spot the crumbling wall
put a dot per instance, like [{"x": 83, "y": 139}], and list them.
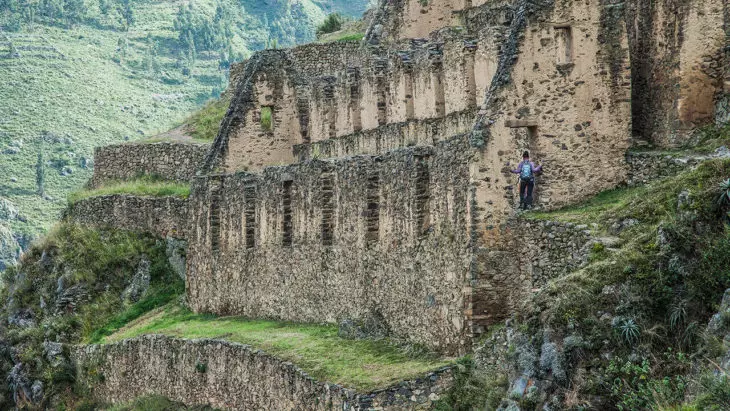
[
  {"x": 321, "y": 92},
  {"x": 389, "y": 137},
  {"x": 163, "y": 216},
  {"x": 564, "y": 95},
  {"x": 323, "y": 241},
  {"x": 524, "y": 258},
  {"x": 678, "y": 64},
  {"x": 175, "y": 161},
  {"x": 229, "y": 376}
]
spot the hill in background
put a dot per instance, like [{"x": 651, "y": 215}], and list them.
[{"x": 76, "y": 74}]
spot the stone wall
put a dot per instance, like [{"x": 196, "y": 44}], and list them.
[
  {"x": 645, "y": 167},
  {"x": 230, "y": 376},
  {"x": 679, "y": 61},
  {"x": 525, "y": 257},
  {"x": 389, "y": 137},
  {"x": 323, "y": 241},
  {"x": 330, "y": 91},
  {"x": 163, "y": 216},
  {"x": 175, "y": 161}
]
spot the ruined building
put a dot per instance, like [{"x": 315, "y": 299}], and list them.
[{"x": 370, "y": 180}]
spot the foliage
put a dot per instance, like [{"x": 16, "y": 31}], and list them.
[
  {"x": 94, "y": 266},
  {"x": 714, "y": 392},
  {"x": 361, "y": 364},
  {"x": 144, "y": 186},
  {"x": 266, "y": 118},
  {"x": 204, "y": 123},
  {"x": 473, "y": 389},
  {"x": 120, "y": 74},
  {"x": 650, "y": 296},
  {"x": 332, "y": 23},
  {"x": 633, "y": 387}
]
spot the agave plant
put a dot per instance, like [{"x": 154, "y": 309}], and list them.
[
  {"x": 724, "y": 198},
  {"x": 630, "y": 331}
]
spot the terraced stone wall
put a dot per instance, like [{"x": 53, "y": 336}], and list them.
[
  {"x": 525, "y": 257},
  {"x": 162, "y": 216},
  {"x": 175, "y": 161},
  {"x": 230, "y": 376},
  {"x": 367, "y": 237}
]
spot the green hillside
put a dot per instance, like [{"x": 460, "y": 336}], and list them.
[{"x": 74, "y": 75}]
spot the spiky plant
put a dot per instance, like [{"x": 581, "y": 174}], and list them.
[{"x": 630, "y": 331}]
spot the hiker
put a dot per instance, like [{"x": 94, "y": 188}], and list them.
[{"x": 526, "y": 169}]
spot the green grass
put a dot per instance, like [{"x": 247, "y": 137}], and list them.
[
  {"x": 350, "y": 37},
  {"x": 157, "y": 297},
  {"x": 649, "y": 204},
  {"x": 204, "y": 124},
  {"x": 360, "y": 364},
  {"x": 88, "y": 95},
  {"x": 140, "y": 187},
  {"x": 266, "y": 120}
]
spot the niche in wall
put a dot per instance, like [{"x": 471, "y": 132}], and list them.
[
  {"x": 266, "y": 118},
  {"x": 286, "y": 220},
  {"x": 249, "y": 213},
  {"x": 564, "y": 43}
]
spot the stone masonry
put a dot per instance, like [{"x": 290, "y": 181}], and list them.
[
  {"x": 230, "y": 376},
  {"x": 372, "y": 179},
  {"x": 174, "y": 161},
  {"x": 163, "y": 216}
]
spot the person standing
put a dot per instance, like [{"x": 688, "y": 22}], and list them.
[{"x": 526, "y": 169}]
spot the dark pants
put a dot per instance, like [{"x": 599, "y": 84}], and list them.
[{"x": 526, "y": 193}]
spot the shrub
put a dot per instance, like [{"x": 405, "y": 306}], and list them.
[
  {"x": 331, "y": 23},
  {"x": 267, "y": 122}
]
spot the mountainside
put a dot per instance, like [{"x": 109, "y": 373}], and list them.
[{"x": 76, "y": 75}]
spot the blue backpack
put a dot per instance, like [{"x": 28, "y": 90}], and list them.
[{"x": 526, "y": 171}]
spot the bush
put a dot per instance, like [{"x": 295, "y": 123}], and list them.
[{"x": 331, "y": 23}]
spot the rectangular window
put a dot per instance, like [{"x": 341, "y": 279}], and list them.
[
  {"x": 438, "y": 83},
  {"x": 372, "y": 210},
  {"x": 353, "y": 79},
  {"x": 286, "y": 221},
  {"x": 326, "y": 200},
  {"x": 249, "y": 213},
  {"x": 422, "y": 187},
  {"x": 564, "y": 36},
  {"x": 267, "y": 118},
  {"x": 215, "y": 216}
]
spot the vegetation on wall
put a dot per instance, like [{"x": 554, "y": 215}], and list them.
[
  {"x": 630, "y": 329},
  {"x": 357, "y": 363},
  {"x": 79, "y": 74},
  {"x": 70, "y": 287},
  {"x": 143, "y": 186}
]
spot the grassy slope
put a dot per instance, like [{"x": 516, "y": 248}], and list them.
[
  {"x": 142, "y": 187},
  {"x": 361, "y": 364},
  {"x": 88, "y": 100}
]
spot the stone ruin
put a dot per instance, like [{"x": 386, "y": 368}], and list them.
[{"x": 359, "y": 180}]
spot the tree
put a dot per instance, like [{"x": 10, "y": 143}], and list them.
[
  {"x": 332, "y": 23},
  {"x": 74, "y": 11},
  {"x": 40, "y": 175},
  {"x": 127, "y": 13}
]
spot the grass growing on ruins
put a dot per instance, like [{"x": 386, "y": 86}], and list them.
[
  {"x": 139, "y": 187},
  {"x": 649, "y": 204},
  {"x": 204, "y": 123},
  {"x": 653, "y": 295},
  {"x": 316, "y": 349}
]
